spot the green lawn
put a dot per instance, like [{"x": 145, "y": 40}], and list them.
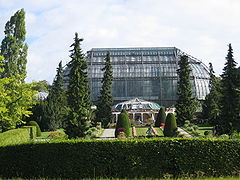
[
  {"x": 58, "y": 134},
  {"x": 141, "y": 131},
  {"x": 201, "y": 130}
]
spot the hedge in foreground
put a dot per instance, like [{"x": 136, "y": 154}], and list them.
[
  {"x": 121, "y": 158},
  {"x": 15, "y": 136}
]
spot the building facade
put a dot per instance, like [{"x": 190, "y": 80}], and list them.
[{"x": 145, "y": 73}]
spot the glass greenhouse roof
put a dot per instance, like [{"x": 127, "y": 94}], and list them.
[
  {"x": 136, "y": 104},
  {"x": 148, "y": 73}
]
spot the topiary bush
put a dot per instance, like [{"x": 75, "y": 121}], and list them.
[
  {"x": 34, "y": 123},
  {"x": 161, "y": 117},
  {"x": 170, "y": 128},
  {"x": 123, "y": 124}
]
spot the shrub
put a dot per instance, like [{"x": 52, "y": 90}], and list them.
[
  {"x": 170, "y": 127},
  {"x": 123, "y": 124},
  {"x": 152, "y": 158},
  {"x": 34, "y": 123},
  {"x": 161, "y": 117}
]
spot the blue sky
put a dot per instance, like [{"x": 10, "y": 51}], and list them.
[{"x": 201, "y": 28}]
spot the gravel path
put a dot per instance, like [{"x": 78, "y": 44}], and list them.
[{"x": 108, "y": 133}]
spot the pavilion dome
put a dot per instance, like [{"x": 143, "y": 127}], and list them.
[{"x": 136, "y": 104}]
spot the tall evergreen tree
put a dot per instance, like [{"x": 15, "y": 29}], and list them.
[
  {"x": 229, "y": 116},
  {"x": 56, "y": 102},
  {"x": 78, "y": 93},
  {"x": 104, "y": 107},
  {"x": 13, "y": 48},
  {"x": 211, "y": 105},
  {"x": 186, "y": 104}
]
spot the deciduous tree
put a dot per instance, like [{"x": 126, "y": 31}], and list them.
[{"x": 13, "y": 47}]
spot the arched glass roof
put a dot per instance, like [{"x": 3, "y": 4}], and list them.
[{"x": 136, "y": 104}]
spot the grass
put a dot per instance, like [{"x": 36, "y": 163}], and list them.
[
  {"x": 141, "y": 131},
  {"x": 201, "y": 130},
  {"x": 51, "y": 135}
]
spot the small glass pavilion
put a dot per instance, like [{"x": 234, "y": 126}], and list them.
[{"x": 139, "y": 110}]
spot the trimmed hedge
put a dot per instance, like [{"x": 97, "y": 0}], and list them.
[
  {"x": 16, "y": 136},
  {"x": 34, "y": 123},
  {"x": 155, "y": 158}
]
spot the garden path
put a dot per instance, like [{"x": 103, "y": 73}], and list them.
[
  {"x": 108, "y": 133},
  {"x": 186, "y": 134}
]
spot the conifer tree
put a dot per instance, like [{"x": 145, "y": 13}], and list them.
[
  {"x": 211, "y": 105},
  {"x": 104, "y": 107},
  {"x": 56, "y": 102},
  {"x": 186, "y": 104},
  {"x": 78, "y": 93},
  {"x": 13, "y": 48},
  {"x": 229, "y": 116},
  {"x": 161, "y": 117}
]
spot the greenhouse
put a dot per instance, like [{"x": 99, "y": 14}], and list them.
[
  {"x": 138, "y": 110},
  {"x": 145, "y": 73}
]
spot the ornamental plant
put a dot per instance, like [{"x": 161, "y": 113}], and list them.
[
  {"x": 170, "y": 128},
  {"x": 161, "y": 117},
  {"x": 34, "y": 123},
  {"x": 123, "y": 124}
]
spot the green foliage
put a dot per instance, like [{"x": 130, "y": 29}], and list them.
[
  {"x": 13, "y": 47},
  {"x": 16, "y": 100},
  {"x": 186, "y": 105},
  {"x": 191, "y": 128},
  {"x": 229, "y": 119},
  {"x": 170, "y": 127},
  {"x": 16, "y": 96},
  {"x": 161, "y": 117},
  {"x": 104, "y": 107},
  {"x": 34, "y": 123},
  {"x": 211, "y": 105},
  {"x": 41, "y": 86},
  {"x": 16, "y": 136},
  {"x": 155, "y": 158},
  {"x": 123, "y": 124},
  {"x": 78, "y": 93},
  {"x": 55, "y": 112},
  {"x": 39, "y": 115}
]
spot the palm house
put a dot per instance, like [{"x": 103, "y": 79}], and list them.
[{"x": 148, "y": 73}]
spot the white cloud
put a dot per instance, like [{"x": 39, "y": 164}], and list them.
[{"x": 200, "y": 28}]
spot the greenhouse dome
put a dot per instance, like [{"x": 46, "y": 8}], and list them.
[
  {"x": 136, "y": 105},
  {"x": 138, "y": 110}
]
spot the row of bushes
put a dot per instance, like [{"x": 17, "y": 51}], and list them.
[
  {"x": 153, "y": 158},
  {"x": 19, "y": 135}
]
